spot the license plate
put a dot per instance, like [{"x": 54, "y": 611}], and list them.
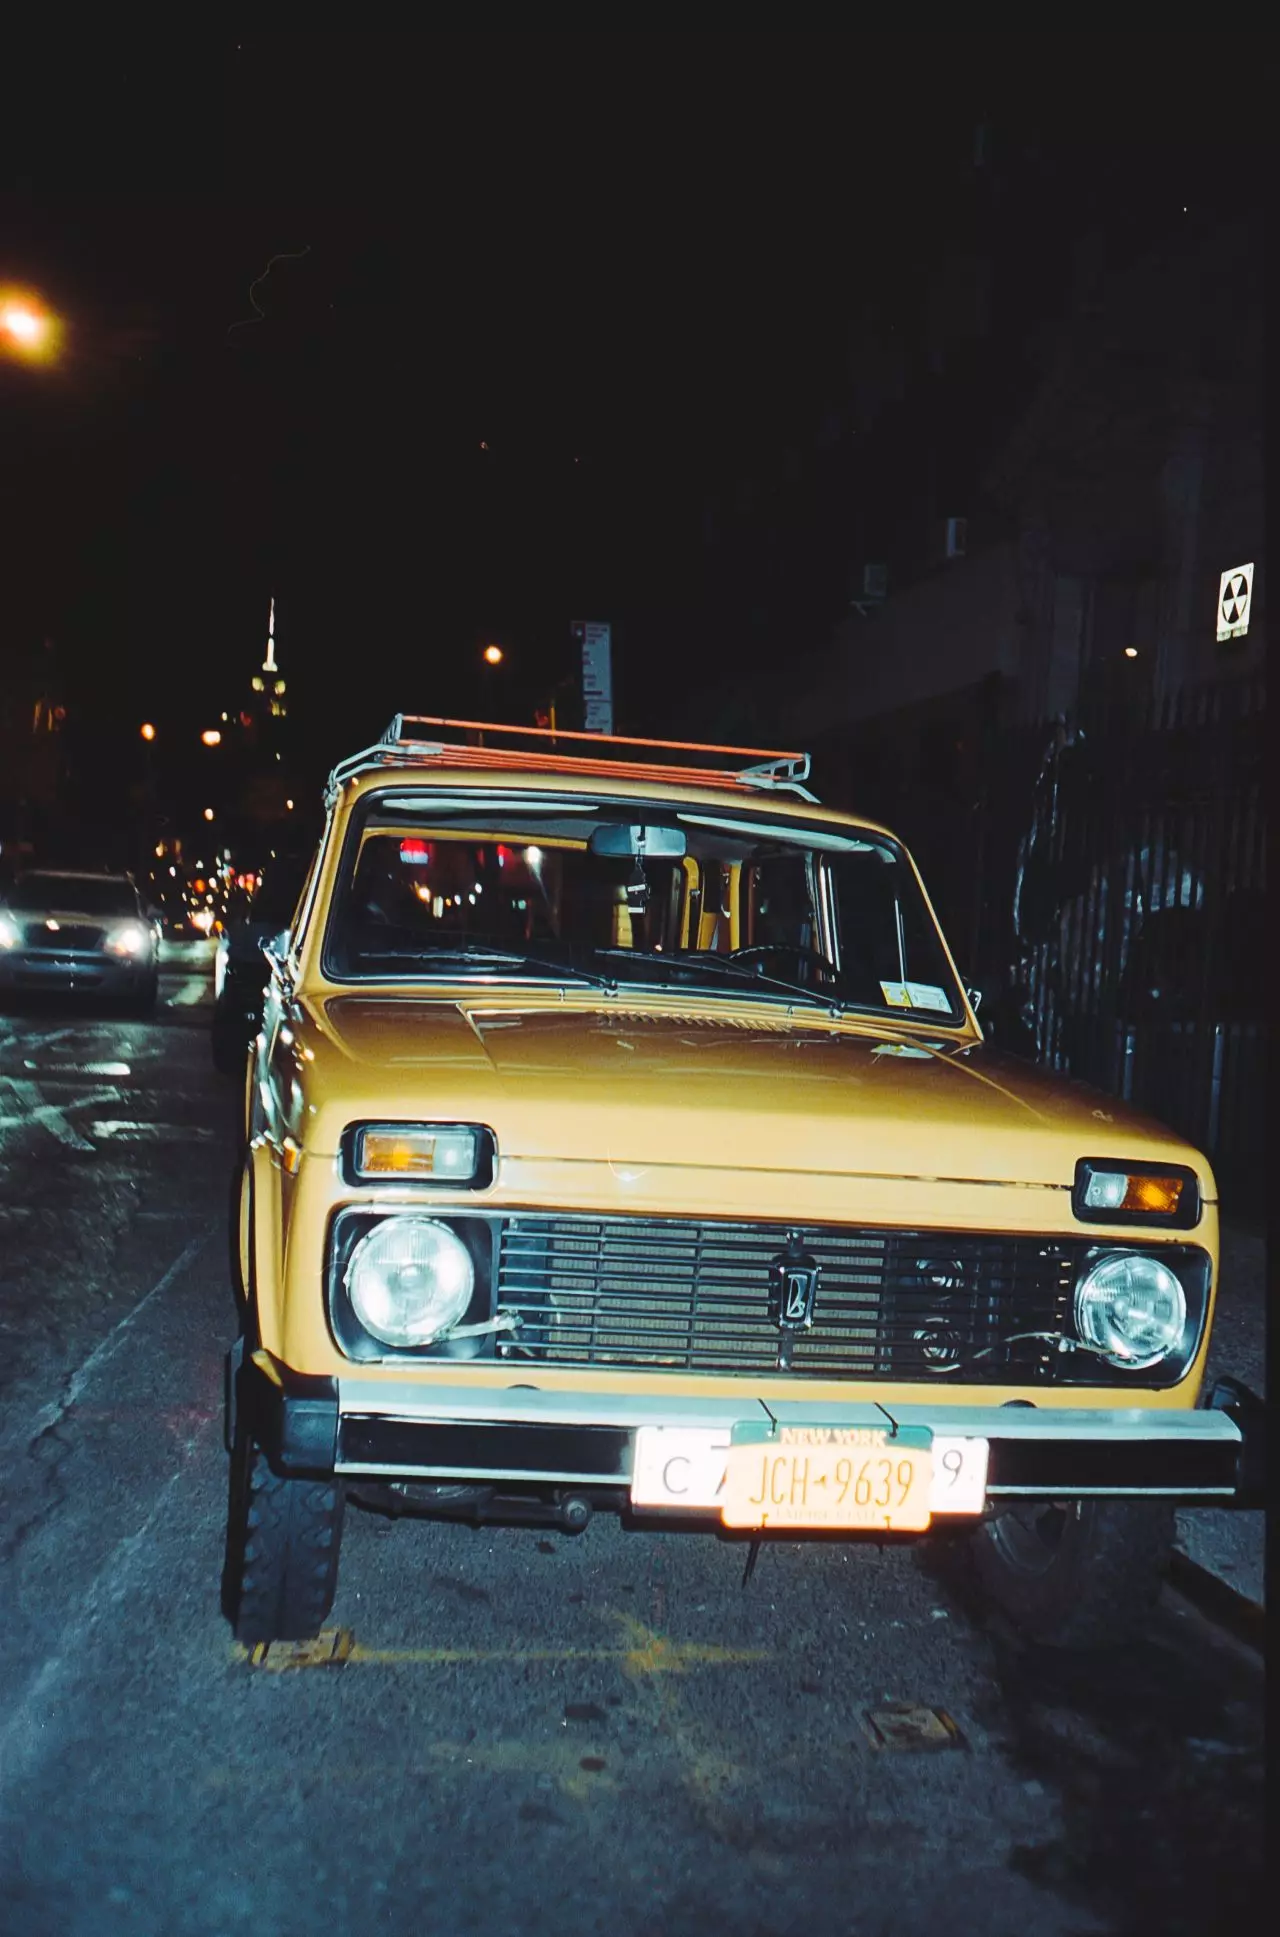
[
  {"x": 829, "y": 1476},
  {"x": 683, "y": 1467}
]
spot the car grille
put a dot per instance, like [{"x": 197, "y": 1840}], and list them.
[
  {"x": 680, "y": 1294},
  {"x": 68, "y": 938}
]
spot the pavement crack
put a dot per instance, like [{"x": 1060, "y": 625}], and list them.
[
  {"x": 50, "y": 1435},
  {"x": 47, "y": 1426}
]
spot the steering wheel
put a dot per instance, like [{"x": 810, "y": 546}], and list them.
[{"x": 804, "y": 958}]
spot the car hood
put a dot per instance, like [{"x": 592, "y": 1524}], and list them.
[{"x": 595, "y": 1081}]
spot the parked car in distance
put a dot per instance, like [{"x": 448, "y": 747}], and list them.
[
  {"x": 239, "y": 965},
  {"x": 63, "y": 931},
  {"x": 620, "y": 1137}
]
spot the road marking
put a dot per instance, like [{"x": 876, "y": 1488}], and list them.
[
  {"x": 52, "y": 1116},
  {"x": 84, "y": 1069},
  {"x": 650, "y": 1654},
  {"x": 190, "y": 992},
  {"x": 49, "y": 1035},
  {"x": 134, "y": 1132}
]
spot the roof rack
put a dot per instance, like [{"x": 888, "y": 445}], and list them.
[{"x": 403, "y": 743}]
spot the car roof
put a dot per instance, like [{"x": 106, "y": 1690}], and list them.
[
  {"x": 615, "y": 788},
  {"x": 597, "y": 766}
]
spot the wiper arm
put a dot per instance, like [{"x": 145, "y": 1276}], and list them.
[
  {"x": 483, "y": 957},
  {"x": 733, "y": 971}
]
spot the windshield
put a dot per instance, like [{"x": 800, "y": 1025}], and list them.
[
  {"x": 634, "y": 894},
  {"x": 73, "y": 894}
]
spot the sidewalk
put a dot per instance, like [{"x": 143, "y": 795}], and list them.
[{"x": 1233, "y": 1545}]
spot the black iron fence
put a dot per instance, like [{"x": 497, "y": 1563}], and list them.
[{"x": 1104, "y": 885}]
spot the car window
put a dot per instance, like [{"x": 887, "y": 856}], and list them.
[{"x": 745, "y": 907}]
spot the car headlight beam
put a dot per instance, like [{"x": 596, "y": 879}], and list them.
[
  {"x": 132, "y": 939},
  {"x": 410, "y": 1281},
  {"x": 1131, "y": 1308}
]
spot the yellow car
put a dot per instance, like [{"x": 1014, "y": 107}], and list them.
[{"x": 620, "y": 1136}]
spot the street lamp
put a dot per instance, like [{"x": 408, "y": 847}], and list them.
[
  {"x": 493, "y": 655},
  {"x": 27, "y": 328},
  {"x": 208, "y": 813},
  {"x": 211, "y": 737},
  {"x": 147, "y": 731}
]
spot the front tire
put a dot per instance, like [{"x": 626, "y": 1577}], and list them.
[
  {"x": 284, "y": 1536},
  {"x": 1075, "y": 1574}
]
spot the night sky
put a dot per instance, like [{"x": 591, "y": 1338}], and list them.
[{"x": 624, "y": 264}]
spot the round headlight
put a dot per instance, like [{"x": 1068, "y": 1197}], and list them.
[
  {"x": 1132, "y": 1308},
  {"x": 409, "y": 1280}
]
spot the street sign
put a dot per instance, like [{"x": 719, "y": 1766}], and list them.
[
  {"x": 597, "y": 674},
  {"x": 1235, "y": 595}
]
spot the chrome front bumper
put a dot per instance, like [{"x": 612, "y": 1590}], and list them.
[{"x": 518, "y": 1435}]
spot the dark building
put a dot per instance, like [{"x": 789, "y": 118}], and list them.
[{"x": 1026, "y": 513}]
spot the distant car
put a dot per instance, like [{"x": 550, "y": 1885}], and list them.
[
  {"x": 240, "y": 967},
  {"x": 79, "y": 933}
]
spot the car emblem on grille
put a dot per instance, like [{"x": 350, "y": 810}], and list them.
[{"x": 793, "y": 1284}]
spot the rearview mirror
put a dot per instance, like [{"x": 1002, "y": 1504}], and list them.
[{"x": 616, "y": 839}]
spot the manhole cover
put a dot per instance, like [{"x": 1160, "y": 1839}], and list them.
[{"x": 905, "y": 1725}]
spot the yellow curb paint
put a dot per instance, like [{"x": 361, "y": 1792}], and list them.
[{"x": 649, "y": 1655}]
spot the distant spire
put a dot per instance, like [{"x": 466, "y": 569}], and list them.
[{"x": 269, "y": 663}]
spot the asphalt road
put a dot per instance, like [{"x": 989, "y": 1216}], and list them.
[{"x": 532, "y": 1733}]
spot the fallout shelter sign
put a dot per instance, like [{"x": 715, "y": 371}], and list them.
[{"x": 1235, "y": 594}]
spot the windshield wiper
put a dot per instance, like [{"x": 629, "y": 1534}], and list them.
[
  {"x": 483, "y": 957},
  {"x": 733, "y": 971}
]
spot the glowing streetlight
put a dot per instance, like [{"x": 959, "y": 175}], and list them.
[
  {"x": 493, "y": 655},
  {"x": 1131, "y": 652},
  {"x": 147, "y": 731},
  {"x": 27, "y": 328},
  {"x": 211, "y": 737},
  {"x": 208, "y": 813},
  {"x": 23, "y": 325}
]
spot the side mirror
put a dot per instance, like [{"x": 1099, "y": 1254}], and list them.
[{"x": 618, "y": 841}]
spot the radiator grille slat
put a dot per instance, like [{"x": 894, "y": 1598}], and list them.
[{"x": 694, "y": 1295}]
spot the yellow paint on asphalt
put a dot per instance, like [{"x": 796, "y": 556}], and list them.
[{"x": 644, "y": 1655}]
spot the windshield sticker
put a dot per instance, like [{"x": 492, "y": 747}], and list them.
[{"x": 914, "y": 995}]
